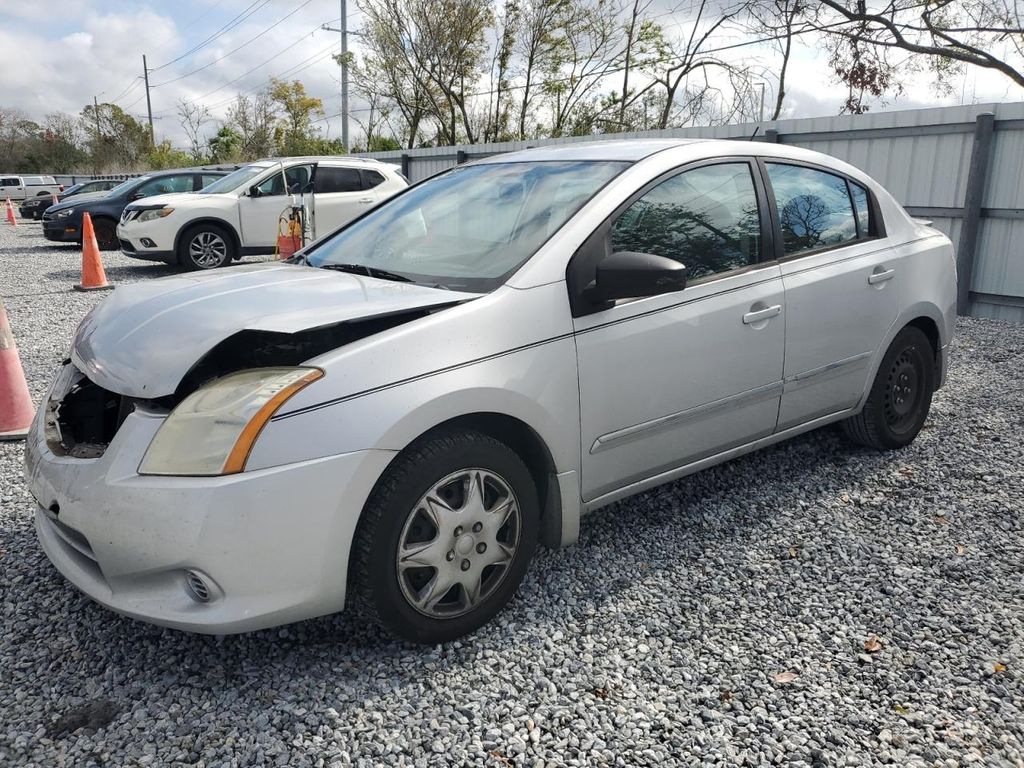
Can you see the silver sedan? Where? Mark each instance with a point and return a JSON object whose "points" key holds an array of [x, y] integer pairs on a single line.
{"points": [[395, 418]]}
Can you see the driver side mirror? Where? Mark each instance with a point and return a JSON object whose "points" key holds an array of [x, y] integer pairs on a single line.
{"points": [[633, 275], [136, 196], [254, 191]]}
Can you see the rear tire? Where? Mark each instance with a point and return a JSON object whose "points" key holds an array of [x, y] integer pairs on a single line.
{"points": [[205, 246], [445, 538], [900, 396]]}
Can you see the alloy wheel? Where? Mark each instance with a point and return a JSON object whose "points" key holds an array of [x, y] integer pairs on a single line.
{"points": [[208, 250]]}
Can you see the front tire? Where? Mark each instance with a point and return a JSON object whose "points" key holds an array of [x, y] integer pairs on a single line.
{"points": [[900, 396], [205, 246], [445, 538], [106, 234]]}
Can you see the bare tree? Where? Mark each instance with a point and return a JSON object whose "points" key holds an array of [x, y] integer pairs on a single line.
{"points": [[781, 20], [193, 117], [589, 51], [254, 119], [538, 43], [982, 33]]}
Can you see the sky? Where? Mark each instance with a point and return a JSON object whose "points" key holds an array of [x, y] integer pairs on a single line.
{"points": [[65, 52]]}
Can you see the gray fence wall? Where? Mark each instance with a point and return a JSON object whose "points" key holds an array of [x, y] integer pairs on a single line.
{"points": [[961, 167]]}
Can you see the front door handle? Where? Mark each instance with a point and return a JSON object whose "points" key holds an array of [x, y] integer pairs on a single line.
{"points": [[762, 314], [880, 276], [366, 200]]}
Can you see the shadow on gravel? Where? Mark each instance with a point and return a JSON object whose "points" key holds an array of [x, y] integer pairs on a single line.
{"points": [[113, 273]]}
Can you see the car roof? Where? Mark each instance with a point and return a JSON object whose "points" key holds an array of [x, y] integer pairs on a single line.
{"points": [[611, 149], [634, 150], [270, 161]]}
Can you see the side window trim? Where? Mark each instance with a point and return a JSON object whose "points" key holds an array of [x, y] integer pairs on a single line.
{"points": [[875, 222], [601, 236]]}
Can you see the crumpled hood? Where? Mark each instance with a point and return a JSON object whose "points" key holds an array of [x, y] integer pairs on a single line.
{"points": [[145, 337]]}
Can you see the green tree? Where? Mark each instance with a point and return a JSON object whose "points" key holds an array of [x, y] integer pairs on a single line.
{"points": [[163, 155], [225, 145], [295, 134]]}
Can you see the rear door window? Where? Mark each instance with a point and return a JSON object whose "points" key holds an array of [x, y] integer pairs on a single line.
{"points": [[334, 179], [814, 208]]}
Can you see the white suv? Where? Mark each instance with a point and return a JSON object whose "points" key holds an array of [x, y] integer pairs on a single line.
{"points": [[241, 214]]}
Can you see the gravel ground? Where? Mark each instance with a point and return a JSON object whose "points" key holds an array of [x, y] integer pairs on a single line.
{"points": [[727, 619]]}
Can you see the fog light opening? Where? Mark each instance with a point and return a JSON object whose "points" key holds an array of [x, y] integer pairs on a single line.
{"points": [[197, 587]]}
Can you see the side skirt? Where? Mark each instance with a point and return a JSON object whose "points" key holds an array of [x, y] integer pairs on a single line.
{"points": [[710, 461]]}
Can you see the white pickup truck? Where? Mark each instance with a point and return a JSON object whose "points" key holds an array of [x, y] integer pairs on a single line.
{"points": [[22, 187]]}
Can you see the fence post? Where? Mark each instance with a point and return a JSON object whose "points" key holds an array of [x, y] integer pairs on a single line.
{"points": [[406, 165], [460, 157], [771, 136], [974, 197]]}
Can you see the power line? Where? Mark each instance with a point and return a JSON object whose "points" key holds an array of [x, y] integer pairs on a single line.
{"points": [[234, 22], [235, 50], [201, 16]]}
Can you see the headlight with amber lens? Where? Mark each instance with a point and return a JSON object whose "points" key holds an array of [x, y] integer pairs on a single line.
{"points": [[212, 431]]}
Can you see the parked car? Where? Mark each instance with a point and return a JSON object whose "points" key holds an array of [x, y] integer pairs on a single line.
{"points": [[33, 207], [22, 187], [396, 417], [63, 222], [241, 214]]}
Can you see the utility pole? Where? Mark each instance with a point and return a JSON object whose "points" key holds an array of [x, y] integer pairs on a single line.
{"points": [[149, 106], [344, 74], [760, 118], [96, 114], [344, 70]]}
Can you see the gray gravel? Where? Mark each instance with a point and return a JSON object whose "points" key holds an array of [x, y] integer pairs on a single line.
{"points": [[660, 639]]}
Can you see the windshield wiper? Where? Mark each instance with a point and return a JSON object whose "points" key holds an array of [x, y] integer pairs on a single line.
{"points": [[362, 269]]}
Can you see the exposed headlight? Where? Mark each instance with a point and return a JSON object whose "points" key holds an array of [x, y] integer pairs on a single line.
{"points": [[65, 212], [154, 213], [212, 431]]}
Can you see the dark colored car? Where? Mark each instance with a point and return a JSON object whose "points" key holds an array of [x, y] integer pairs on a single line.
{"points": [[33, 207], [63, 222]]}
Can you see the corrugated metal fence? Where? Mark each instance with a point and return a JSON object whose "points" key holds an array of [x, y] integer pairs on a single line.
{"points": [[962, 167]]}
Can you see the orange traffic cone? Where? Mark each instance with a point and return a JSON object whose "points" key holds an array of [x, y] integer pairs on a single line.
{"points": [[93, 276], [10, 214], [15, 404]]}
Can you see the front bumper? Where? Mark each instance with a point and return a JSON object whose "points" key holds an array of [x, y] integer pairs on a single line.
{"points": [[66, 230], [271, 544], [138, 243]]}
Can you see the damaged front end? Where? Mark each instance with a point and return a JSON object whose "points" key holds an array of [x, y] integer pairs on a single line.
{"points": [[82, 417]]}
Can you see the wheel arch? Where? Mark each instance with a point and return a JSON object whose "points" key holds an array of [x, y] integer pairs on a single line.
{"points": [[227, 226], [557, 493], [930, 320]]}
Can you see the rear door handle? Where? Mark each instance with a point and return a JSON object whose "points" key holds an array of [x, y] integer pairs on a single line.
{"points": [[880, 277], [366, 200], [762, 314]]}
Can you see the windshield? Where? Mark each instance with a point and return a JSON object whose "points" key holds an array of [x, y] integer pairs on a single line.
{"points": [[470, 228], [233, 180], [125, 185]]}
